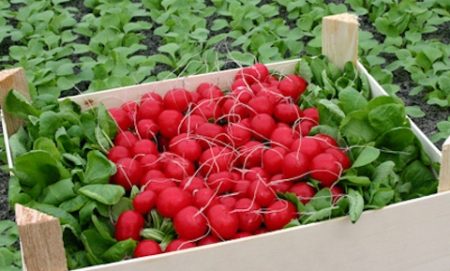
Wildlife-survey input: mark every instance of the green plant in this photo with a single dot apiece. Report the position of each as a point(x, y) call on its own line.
point(10, 258)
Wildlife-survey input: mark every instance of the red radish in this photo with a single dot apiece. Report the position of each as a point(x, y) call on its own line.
point(220, 181)
point(241, 91)
point(158, 185)
point(129, 225)
point(295, 165)
point(121, 118)
point(251, 154)
point(208, 109)
point(210, 132)
point(239, 134)
point(147, 128)
point(326, 169)
point(311, 114)
point(241, 188)
point(208, 240)
point(191, 184)
point(336, 192)
point(205, 197)
point(305, 127)
point(262, 70)
point(234, 110)
point(261, 231)
point(326, 141)
point(150, 109)
point(190, 223)
point(261, 193)
point(340, 156)
point(255, 174)
point(279, 214)
point(118, 152)
point(185, 147)
point(258, 86)
point(169, 121)
point(195, 97)
point(223, 222)
point(215, 159)
point(248, 74)
point(209, 91)
point(147, 248)
point(273, 160)
point(228, 201)
point(292, 86)
point(131, 107)
point(151, 175)
point(309, 146)
point(128, 173)
point(144, 202)
point(242, 235)
point(151, 96)
point(177, 168)
point(261, 104)
point(304, 191)
point(144, 146)
point(171, 200)
point(282, 136)
point(179, 244)
point(149, 162)
point(191, 123)
point(287, 112)
point(177, 99)
point(278, 183)
point(263, 125)
point(126, 139)
point(249, 218)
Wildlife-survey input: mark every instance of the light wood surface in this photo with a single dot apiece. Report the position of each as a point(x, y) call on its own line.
point(444, 174)
point(340, 38)
point(41, 240)
point(9, 80)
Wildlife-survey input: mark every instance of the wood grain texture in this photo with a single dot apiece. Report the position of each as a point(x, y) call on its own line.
point(9, 80)
point(444, 174)
point(41, 240)
point(340, 38)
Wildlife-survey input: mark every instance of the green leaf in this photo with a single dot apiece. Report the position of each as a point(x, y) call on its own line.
point(58, 192)
point(120, 251)
point(386, 117)
point(103, 227)
point(8, 233)
point(19, 143)
point(330, 113)
point(46, 144)
point(108, 194)
point(170, 48)
point(74, 204)
point(357, 180)
point(351, 100)
point(356, 204)
point(98, 169)
point(423, 182)
point(105, 121)
point(123, 205)
point(64, 217)
point(414, 111)
point(356, 129)
point(94, 245)
point(36, 167)
point(367, 156)
point(49, 122)
point(16, 104)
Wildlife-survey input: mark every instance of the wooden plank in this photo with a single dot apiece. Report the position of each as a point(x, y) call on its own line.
point(340, 38)
point(444, 174)
point(41, 240)
point(9, 80)
point(412, 235)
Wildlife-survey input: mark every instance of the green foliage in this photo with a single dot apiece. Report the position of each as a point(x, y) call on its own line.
point(10, 258)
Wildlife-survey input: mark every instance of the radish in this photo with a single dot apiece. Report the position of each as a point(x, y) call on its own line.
point(279, 184)
point(221, 181)
point(150, 175)
point(304, 191)
point(305, 127)
point(262, 70)
point(311, 114)
point(234, 110)
point(248, 75)
point(261, 193)
point(242, 235)
point(192, 184)
point(205, 197)
point(177, 99)
point(179, 244)
point(341, 157)
point(309, 146)
point(126, 139)
point(279, 214)
point(158, 185)
point(262, 125)
point(151, 96)
point(251, 154)
point(185, 147)
point(249, 218)
point(228, 201)
point(168, 122)
point(149, 162)
point(261, 104)
point(215, 159)
point(209, 91)
point(191, 123)
point(147, 248)
point(128, 173)
point(283, 136)
point(208, 240)
point(144, 202)
point(129, 225)
point(147, 129)
point(177, 168)
point(149, 109)
point(295, 165)
point(208, 109)
point(121, 118)
point(171, 200)
point(336, 193)
point(223, 222)
point(210, 132)
point(326, 141)
point(239, 134)
point(255, 174)
point(326, 169)
point(241, 188)
point(273, 160)
point(144, 146)
point(190, 223)
point(241, 91)
point(289, 86)
point(118, 152)
point(131, 108)
point(287, 112)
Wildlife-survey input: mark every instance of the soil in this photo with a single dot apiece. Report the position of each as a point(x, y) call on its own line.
point(401, 77)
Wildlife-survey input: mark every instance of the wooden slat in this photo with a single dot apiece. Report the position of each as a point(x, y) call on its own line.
point(340, 38)
point(41, 240)
point(12, 79)
point(444, 174)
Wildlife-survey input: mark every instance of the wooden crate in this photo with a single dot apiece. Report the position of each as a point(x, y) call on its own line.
point(411, 235)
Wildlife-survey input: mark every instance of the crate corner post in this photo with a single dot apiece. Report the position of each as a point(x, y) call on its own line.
point(340, 38)
point(12, 79)
point(40, 240)
point(444, 174)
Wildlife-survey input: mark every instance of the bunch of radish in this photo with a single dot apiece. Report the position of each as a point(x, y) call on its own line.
point(214, 162)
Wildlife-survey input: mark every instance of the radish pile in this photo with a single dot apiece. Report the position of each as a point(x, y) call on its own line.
point(214, 164)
